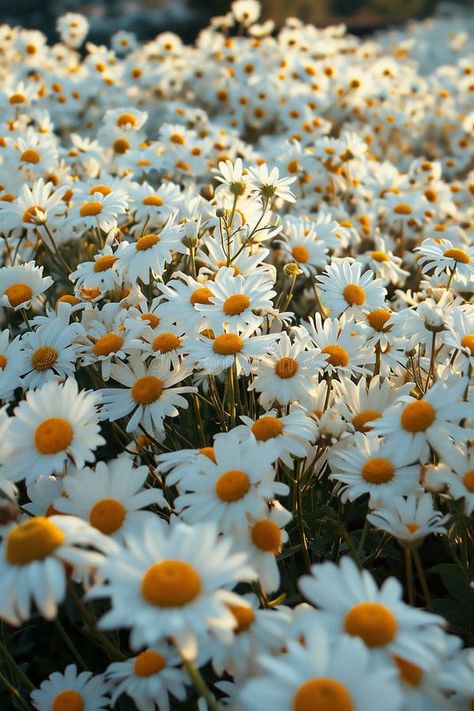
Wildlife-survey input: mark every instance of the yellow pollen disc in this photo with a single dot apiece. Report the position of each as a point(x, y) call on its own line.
point(300, 253)
point(227, 344)
point(468, 480)
point(354, 295)
point(377, 470)
point(33, 215)
point(91, 293)
point(90, 209)
point(106, 261)
point(31, 540)
point(152, 319)
point(286, 368)
point(177, 138)
point(468, 342)
point(102, 189)
point(53, 435)
point(338, 356)
point(323, 694)
point(107, 515)
point(18, 293)
point(235, 304)
point(232, 485)
point(147, 389)
point(3, 361)
point(209, 453)
point(149, 663)
point(202, 295)
point(402, 209)
point(266, 535)
point(127, 119)
point(293, 167)
point(68, 299)
point(17, 99)
point(244, 617)
point(374, 623)
point(166, 342)
point(121, 146)
point(459, 255)
point(410, 673)
point(107, 344)
point(378, 318)
point(417, 416)
point(362, 418)
point(171, 583)
point(379, 256)
point(147, 242)
point(30, 156)
point(153, 200)
point(266, 427)
point(69, 700)
point(412, 527)
point(43, 358)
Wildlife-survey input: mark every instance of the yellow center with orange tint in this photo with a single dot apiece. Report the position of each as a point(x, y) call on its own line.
point(402, 209)
point(18, 294)
point(3, 361)
point(468, 342)
point(338, 356)
point(379, 256)
point(235, 304)
point(322, 694)
point(149, 663)
point(266, 428)
point(31, 540)
point(90, 209)
point(102, 189)
point(286, 368)
point(266, 536)
point(227, 344)
point(153, 200)
point(107, 515)
point(171, 583)
point(30, 156)
point(107, 344)
point(378, 470)
point(166, 342)
point(468, 480)
point(69, 700)
point(410, 673)
point(374, 623)
point(152, 319)
point(459, 255)
point(147, 242)
point(53, 435)
point(147, 390)
point(121, 146)
point(378, 318)
point(68, 299)
point(209, 453)
point(244, 617)
point(232, 486)
point(354, 295)
point(104, 262)
point(417, 416)
point(43, 358)
point(127, 119)
point(202, 295)
point(300, 253)
point(34, 215)
point(361, 420)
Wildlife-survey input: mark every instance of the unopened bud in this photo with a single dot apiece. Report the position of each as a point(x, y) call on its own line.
point(292, 269)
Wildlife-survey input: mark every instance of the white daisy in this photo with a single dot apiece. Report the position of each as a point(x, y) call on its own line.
point(71, 691)
point(21, 284)
point(346, 290)
point(409, 519)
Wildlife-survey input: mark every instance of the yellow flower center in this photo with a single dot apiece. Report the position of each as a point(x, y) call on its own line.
point(102, 189)
point(266, 535)
point(209, 453)
point(121, 146)
point(3, 361)
point(362, 418)
point(127, 119)
point(30, 156)
point(53, 435)
point(323, 694)
point(107, 344)
point(468, 342)
point(34, 215)
point(149, 663)
point(378, 318)
point(171, 583)
point(201, 295)
point(166, 342)
point(300, 253)
point(378, 470)
point(374, 623)
point(417, 416)
point(31, 540)
point(43, 358)
point(152, 319)
point(147, 389)
point(354, 295)
point(90, 209)
point(18, 293)
point(379, 256)
point(459, 255)
point(227, 344)
point(410, 673)
point(68, 299)
point(286, 368)
point(232, 485)
point(153, 200)
point(266, 428)
point(147, 242)
point(412, 527)
point(402, 209)
point(468, 480)
point(69, 700)
point(235, 304)
point(107, 515)
point(104, 262)
point(338, 356)
point(244, 617)
point(91, 293)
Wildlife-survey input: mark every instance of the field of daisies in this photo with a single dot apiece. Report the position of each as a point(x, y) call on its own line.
point(236, 369)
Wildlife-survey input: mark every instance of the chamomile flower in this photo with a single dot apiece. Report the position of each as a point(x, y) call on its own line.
point(9, 370)
point(269, 185)
point(442, 256)
point(341, 344)
point(217, 352)
point(71, 690)
point(98, 210)
point(48, 353)
point(21, 284)
point(456, 472)
point(346, 290)
point(409, 519)
point(460, 335)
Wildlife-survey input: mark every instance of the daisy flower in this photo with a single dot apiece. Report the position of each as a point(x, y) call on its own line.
point(71, 691)
point(149, 678)
point(217, 352)
point(101, 273)
point(342, 345)
point(21, 284)
point(34, 206)
point(346, 290)
point(460, 335)
point(73, 29)
point(441, 256)
point(148, 394)
point(300, 243)
point(384, 263)
point(9, 370)
point(48, 353)
point(456, 472)
point(226, 495)
point(33, 554)
point(98, 210)
point(269, 185)
point(172, 583)
point(350, 602)
point(409, 519)
point(54, 423)
point(110, 497)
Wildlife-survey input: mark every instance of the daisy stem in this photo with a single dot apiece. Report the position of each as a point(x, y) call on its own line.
point(363, 538)
point(299, 515)
point(199, 683)
point(378, 359)
point(448, 285)
point(232, 400)
point(70, 644)
point(422, 577)
point(290, 292)
point(10, 661)
point(321, 308)
point(328, 392)
point(22, 703)
point(200, 427)
point(409, 575)
point(431, 370)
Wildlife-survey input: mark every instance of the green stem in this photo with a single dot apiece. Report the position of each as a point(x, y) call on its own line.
point(363, 538)
point(23, 703)
point(4, 652)
point(199, 683)
point(409, 575)
point(421, 576)
point(70, 644)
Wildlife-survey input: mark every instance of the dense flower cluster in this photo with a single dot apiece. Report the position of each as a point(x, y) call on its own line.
point(236, 363)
